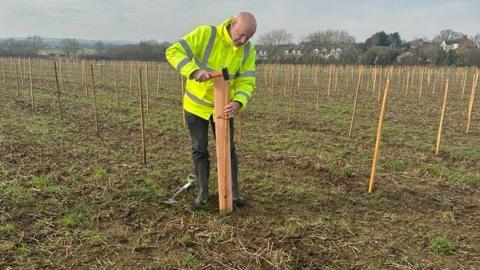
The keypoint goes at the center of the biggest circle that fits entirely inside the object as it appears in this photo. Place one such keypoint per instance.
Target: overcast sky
(168, 20)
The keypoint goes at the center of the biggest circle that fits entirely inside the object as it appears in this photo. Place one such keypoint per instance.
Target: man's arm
(244, 84)
(182, 53)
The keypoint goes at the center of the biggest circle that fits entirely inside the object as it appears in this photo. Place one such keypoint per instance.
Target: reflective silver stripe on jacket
(243, 93)
(245, 74)
(209, 47)
(182, 63)
(187, 48)
(196, 99)
(246, 52)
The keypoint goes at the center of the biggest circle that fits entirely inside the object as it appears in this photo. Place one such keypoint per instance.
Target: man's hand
(232, 108)
(201, 75)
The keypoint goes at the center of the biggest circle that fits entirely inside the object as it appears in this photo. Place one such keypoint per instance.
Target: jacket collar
(223, 32)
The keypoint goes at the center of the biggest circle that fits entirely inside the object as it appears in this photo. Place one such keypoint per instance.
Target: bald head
(243, 27)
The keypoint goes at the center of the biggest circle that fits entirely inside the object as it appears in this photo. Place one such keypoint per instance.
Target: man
(196, 56)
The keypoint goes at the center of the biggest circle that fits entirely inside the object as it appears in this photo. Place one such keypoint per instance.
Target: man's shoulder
(205, 27)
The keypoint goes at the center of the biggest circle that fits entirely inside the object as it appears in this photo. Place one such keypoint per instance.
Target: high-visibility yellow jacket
(211, 48)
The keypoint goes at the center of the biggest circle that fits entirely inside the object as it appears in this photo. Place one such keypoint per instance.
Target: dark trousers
(198, 128)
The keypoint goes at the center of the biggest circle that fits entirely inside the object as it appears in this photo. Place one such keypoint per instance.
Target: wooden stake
(147, 89)
(18, 83)
(131, 76)
(290, 103)
(336, 80)
(115, 83)
(32, 100)
(330, 71)
(355, 103)
(158, 81)
(421, 84)
(379, 137)
(142, 117)
(85, 86)
(374, 79)
(464, 82)
(3, 74)
(318, 91)
(58, 91)
(470, 103)
(221, 92)
(440, 127)
(40, 74)
(22, 71)
(60, 74)
(94, 101)
(406, 85)
(434, 81)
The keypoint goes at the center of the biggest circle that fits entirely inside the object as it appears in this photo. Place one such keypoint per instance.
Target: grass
(72, 220)
(440, 245)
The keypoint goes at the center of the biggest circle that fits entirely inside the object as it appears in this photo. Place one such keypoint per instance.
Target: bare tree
(34, 43)
(476, 40)
(275, 38)
(71, 46)
(330, 38)
(447, 35)
(274, 43)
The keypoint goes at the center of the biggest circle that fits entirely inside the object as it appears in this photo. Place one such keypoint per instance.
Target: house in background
(461, 44)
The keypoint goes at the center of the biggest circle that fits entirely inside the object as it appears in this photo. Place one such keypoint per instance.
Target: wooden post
(142, 116)
(158, 81)
(464, 82)
(60, 74)
(85, 86)
(123, 72)
(32, 100)
(147, 89)
(58, 91)
(374, 81)
(94, 101)
(82, 75)
(336, 80)
(406, 85)
(379, 137)
(379, 93)
(290, 102)
(3, 73)
(22, 72)
(355, 103)
(421, 83)
(440, 127)
(18, 83)
(222, 139)
(318, 89)
(115, 83)
(330, 70)
(40, 74)
(131, 76)
(470, 103)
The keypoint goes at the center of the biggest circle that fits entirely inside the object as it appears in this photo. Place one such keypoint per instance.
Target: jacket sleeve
(244, 83)
(182, 54)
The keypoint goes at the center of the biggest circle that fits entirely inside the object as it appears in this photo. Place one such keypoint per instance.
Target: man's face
(241, 32)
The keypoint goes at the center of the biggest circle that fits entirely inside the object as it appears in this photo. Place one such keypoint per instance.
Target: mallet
(223, 73)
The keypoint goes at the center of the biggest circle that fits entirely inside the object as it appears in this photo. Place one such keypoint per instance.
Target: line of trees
(277, 46)
(334, 46)
(36, 46)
